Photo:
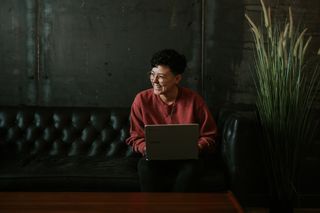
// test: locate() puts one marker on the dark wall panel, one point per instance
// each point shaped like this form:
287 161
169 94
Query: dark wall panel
224 49
97 52
17 52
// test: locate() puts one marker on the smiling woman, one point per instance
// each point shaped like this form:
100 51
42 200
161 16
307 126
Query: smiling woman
165 83
168 103
167 67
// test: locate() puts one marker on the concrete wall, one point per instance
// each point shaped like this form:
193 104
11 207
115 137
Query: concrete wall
97 52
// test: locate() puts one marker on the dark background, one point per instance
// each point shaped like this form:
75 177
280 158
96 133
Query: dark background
97 52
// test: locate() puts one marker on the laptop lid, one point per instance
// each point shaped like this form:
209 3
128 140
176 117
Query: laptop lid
171 141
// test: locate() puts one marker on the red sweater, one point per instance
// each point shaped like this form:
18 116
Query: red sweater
189 107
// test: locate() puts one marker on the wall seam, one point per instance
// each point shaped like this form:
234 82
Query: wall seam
38 50
203 16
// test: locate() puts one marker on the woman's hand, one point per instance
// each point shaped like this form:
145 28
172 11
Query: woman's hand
144 150
200 148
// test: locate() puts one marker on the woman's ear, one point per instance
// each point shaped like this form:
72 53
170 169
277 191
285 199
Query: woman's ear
178 78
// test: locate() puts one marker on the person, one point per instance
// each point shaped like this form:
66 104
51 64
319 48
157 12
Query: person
169 103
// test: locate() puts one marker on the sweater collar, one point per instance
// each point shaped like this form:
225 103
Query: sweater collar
174 103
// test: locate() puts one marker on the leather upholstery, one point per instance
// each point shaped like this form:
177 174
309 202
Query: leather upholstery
64 131
80 149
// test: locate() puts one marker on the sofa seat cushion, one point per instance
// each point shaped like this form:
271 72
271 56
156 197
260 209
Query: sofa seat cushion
69 174
53 173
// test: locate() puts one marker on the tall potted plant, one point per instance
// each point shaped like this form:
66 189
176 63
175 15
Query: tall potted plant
286 87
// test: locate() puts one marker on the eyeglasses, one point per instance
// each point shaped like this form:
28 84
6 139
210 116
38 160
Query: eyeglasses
160 76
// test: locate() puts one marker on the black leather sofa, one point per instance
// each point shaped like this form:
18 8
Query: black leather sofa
84 149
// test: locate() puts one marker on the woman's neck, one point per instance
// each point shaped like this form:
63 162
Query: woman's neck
171 97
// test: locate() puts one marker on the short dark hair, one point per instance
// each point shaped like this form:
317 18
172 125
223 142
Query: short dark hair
171 58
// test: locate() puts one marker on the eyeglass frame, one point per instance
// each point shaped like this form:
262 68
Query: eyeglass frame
161 77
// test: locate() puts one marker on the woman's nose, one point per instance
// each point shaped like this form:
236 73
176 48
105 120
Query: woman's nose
155 79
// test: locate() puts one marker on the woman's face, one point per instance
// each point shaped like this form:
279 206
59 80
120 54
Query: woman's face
163 80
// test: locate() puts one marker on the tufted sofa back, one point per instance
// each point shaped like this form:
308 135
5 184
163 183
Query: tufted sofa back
66 131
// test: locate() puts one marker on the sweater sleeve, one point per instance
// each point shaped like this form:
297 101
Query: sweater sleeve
137 138
208 130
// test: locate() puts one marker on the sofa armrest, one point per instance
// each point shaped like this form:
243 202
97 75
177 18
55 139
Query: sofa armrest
229 133
242 153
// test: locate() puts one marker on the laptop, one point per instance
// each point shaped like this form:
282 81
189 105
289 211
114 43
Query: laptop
171 141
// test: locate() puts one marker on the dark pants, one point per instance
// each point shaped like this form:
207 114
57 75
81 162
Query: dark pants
173 175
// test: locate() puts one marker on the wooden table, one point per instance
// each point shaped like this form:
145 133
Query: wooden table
127 202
